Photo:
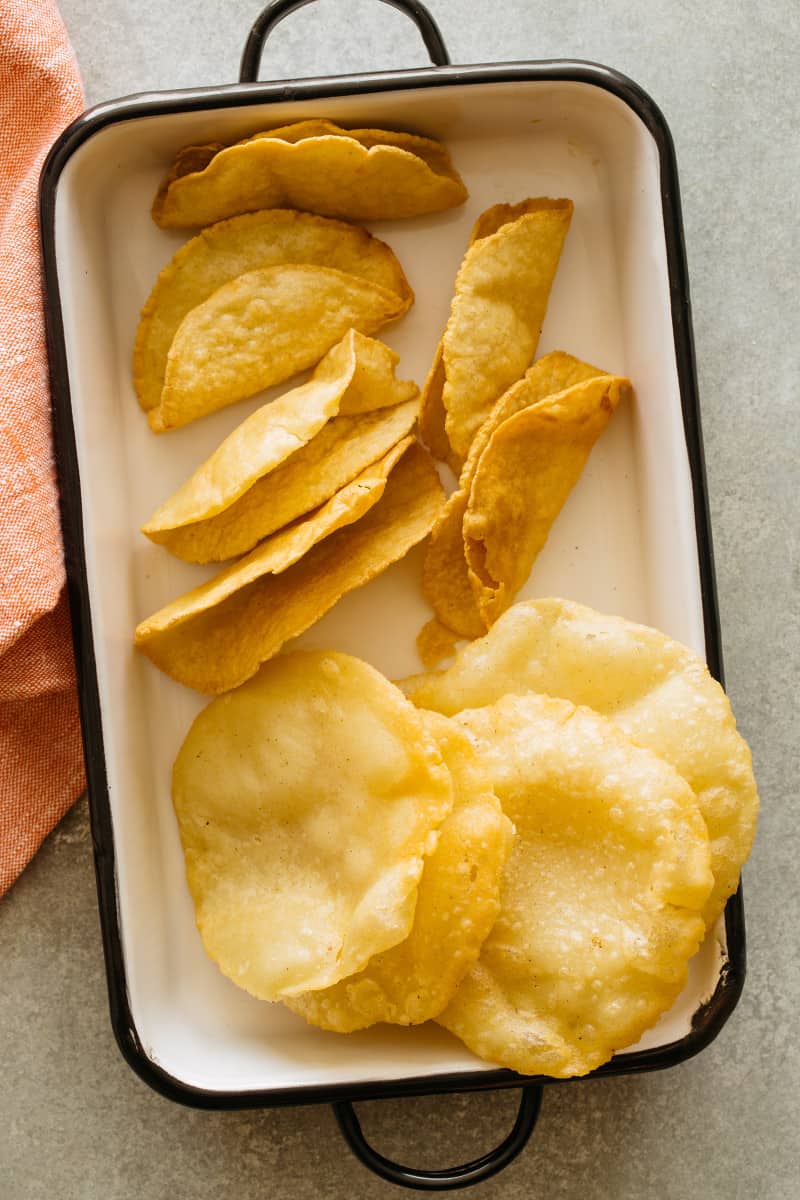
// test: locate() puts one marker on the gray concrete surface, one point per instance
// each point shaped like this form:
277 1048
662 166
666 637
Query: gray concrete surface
75 1123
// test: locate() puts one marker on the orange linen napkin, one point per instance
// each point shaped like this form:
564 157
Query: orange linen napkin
41 761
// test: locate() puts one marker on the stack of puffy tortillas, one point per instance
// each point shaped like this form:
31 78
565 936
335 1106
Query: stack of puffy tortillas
530 853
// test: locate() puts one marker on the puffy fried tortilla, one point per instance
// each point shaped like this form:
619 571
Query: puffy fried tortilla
290 455
457 905
656 690
306 801
258 330
216 636
245 243
359 175
601 897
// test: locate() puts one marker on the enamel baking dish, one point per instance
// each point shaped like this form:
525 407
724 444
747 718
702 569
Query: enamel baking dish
633 538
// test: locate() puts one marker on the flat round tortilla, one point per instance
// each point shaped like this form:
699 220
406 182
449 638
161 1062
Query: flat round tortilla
655 689
601 896
457 905
306 801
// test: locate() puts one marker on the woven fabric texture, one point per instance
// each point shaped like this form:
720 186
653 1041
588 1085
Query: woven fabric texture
41 759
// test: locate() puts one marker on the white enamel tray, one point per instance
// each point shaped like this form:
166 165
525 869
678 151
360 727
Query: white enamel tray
632 539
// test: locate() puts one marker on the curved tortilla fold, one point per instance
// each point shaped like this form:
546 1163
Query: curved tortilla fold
430 151
659 693
524 475
432 414
457 905
342 449
259 330
501 294
445 576
289 456
360 174
432 410
217 635
245 243
188 160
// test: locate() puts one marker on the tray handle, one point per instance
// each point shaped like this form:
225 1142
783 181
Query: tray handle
274 13
451 1177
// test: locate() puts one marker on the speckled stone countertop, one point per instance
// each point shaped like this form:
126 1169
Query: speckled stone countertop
75 1123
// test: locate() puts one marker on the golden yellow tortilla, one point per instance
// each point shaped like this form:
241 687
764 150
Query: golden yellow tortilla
601 896
306 802
530 465
245 243
446 578
501 294
358 175
457 905
657 691
260 329
290 455
216 636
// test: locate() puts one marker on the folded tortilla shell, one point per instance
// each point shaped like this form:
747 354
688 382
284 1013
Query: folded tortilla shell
289 456
217 636
342 449
529 467
245 243
445 578
360 175
496 316
259 330
432 411
430 151
432 414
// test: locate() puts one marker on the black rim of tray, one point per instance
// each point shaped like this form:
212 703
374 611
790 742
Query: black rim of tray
712 1015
